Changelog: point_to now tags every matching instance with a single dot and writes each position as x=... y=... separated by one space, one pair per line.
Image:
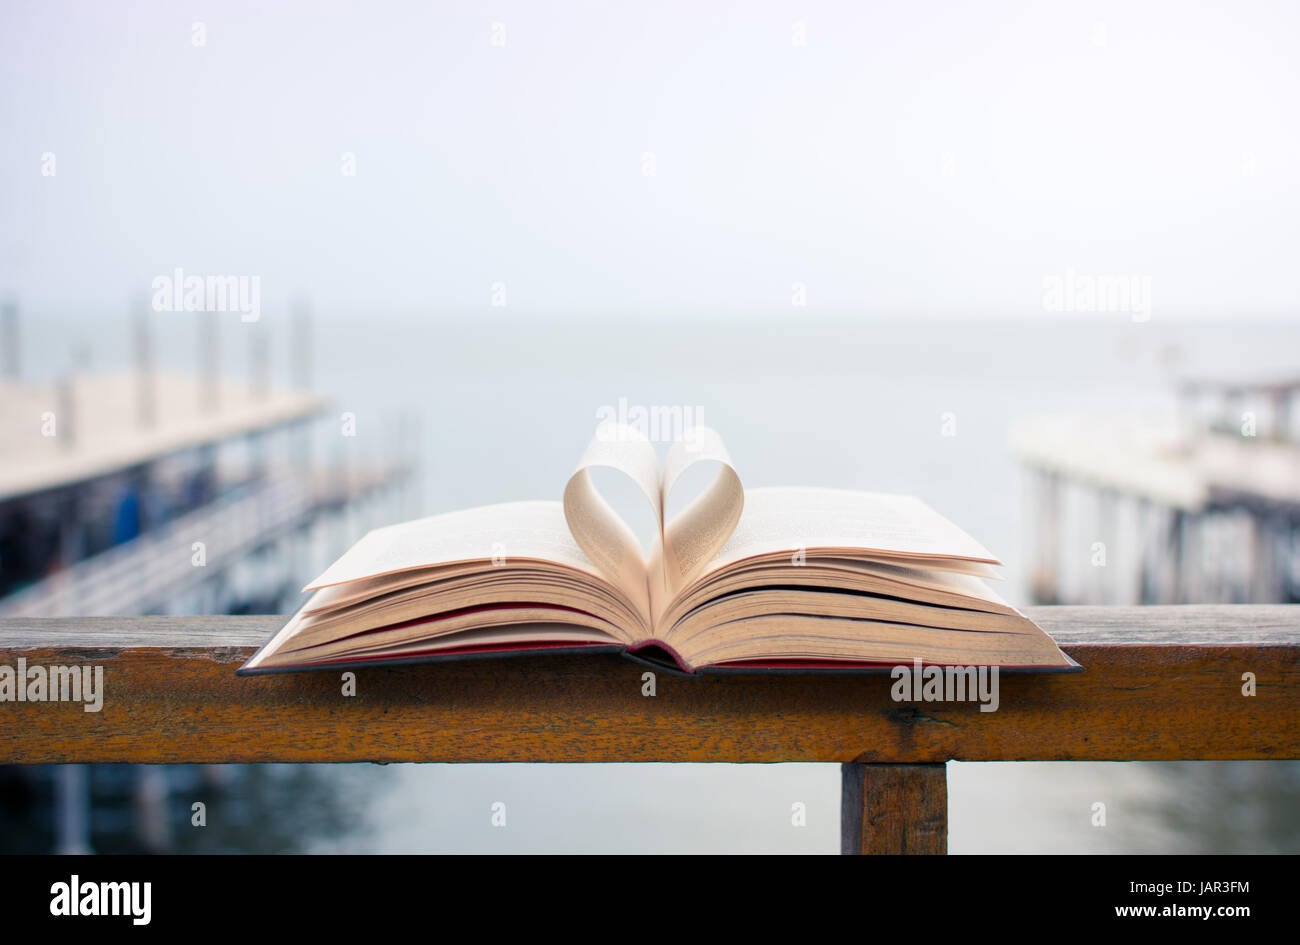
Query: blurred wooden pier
x=80 y=461
x=87 y=426
x=1202 y=506
x=145 y=574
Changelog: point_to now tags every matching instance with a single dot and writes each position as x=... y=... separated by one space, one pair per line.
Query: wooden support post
x=894 y=808
x=9 y=367
x=209 y=363
x=1263 y=585
x=72 y=527
x=300 y=360
x=1107 y=532
x=1177 y=592
x=72 y=796
x=300 y=345
x=259 y=362
x=1146 y=520
x=65 y=417
x=1281 y=431
x=146 y=401
x=1046 y=577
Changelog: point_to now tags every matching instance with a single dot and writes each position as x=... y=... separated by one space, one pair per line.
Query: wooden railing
x=1160 y=683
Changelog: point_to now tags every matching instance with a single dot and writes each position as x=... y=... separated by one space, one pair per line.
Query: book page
x=938 y=588
x=490 y=533
x=833 y=520
x=598 y=530
x=694 y=535
x=802 y=637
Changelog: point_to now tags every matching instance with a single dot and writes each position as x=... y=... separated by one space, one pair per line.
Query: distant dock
x=90 y=426
x=148 y=491
x=1202 y=506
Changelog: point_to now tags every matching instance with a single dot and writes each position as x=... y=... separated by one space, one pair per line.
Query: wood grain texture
x=1160 y=683
x=894 y=809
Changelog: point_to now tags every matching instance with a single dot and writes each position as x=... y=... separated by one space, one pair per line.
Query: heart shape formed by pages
x=685 y=543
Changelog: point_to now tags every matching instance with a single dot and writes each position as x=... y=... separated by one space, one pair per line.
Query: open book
x=769 y=579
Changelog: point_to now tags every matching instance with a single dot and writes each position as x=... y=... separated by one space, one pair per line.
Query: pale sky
x=905 y=159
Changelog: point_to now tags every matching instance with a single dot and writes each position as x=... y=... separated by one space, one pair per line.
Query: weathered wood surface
x=874 y=796
x=1160 y=683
